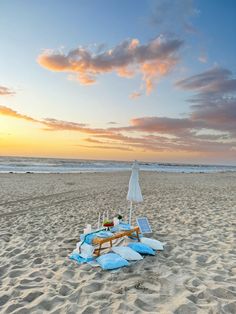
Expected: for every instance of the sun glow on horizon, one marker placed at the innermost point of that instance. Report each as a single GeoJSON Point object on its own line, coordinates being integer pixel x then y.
{"type": "Point", "coordinates": [23, 138]}
{"type": "Point", "coordinates": [101, 83]}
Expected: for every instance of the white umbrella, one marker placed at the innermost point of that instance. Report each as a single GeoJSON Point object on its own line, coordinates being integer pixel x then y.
{"type": "Point", "coordinates": [134, 192]}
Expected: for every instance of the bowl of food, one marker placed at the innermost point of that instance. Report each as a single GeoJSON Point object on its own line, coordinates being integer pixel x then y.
{"type": "Point", "coordinates": [108, 223]}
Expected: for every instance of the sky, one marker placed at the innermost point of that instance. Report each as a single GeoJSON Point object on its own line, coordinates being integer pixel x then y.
{"type": "Point", "coordinates": [152, 80]}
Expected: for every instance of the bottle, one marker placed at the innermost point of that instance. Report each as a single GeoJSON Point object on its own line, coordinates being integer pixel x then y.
{"type": "Point", "coordinates": [116, 221]}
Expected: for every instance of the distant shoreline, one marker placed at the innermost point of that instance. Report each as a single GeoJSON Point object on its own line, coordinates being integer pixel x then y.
{"type": "Point", "coordinates": [56, 165]}
{"type": "Point", "coordinates": [115, 171]}
{"type": "Point", "coordinates": [141, 162]}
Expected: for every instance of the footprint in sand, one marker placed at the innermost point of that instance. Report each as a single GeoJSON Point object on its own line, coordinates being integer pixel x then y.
{"type": "Point", "coordinates": [142, 305]}
{"type": "Point", "coordinates": [64, 290]}
{"type": "Point", "coordinates": [93, 287]}
{"type": "Point", "coordinates": [230, 308]}
{"type": "Point", "coordinates": [32, 296]}
{"type": "Point", "coordinates": [11, 308]}
{"type": "Point", "coordinates": [15, 273]}
{"type": "Point", "coordinates": [3, 299]}
{"type": "Point", "coordinates": [223, 293]}
{"type": "Point", "coordinates": [89, 310]}
{"type": "Point", "coordinates": [188, 308]}
{"type": "Point", "coordinates": [38, 260]}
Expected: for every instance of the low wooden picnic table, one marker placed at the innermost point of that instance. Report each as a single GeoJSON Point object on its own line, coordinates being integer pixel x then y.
{"type": "Point", "coordinates": [117, 235]}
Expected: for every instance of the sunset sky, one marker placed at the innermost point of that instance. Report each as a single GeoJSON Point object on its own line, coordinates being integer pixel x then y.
{"type": "Point", "coordinates": [119, 79]}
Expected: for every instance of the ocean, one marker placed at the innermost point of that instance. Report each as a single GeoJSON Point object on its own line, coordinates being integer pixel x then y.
{"type": "Point", "coordinates": [58, 165]}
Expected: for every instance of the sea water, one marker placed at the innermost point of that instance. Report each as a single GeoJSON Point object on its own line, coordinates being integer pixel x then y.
{"type": "Point", "coordinates": [58, 165]}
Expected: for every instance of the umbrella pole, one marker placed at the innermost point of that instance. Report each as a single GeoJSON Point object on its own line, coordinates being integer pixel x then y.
{"type": "Point", "coordinates": [130, 212]}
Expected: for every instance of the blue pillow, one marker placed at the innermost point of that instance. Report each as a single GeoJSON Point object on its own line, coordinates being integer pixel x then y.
{"type": "Point", "coordinates": [124, 226]}
{"type": "Point", "coordinates": [80, 260]}
{"type": "Point", "coordinates": [141, 248]}
{"type": "Point", "coordinates": [111, 261]}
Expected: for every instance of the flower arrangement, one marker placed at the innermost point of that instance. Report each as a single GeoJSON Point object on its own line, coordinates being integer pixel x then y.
{"type": "Point", "coordinates": [108, 223]}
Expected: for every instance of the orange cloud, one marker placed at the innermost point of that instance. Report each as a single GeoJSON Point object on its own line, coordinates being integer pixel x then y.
{"type": "Point", "coordinates": [154, 60]}
{"type": "Point", "coordinates": [152, 71]}
{"type": "Point", "coordinates": [112, 147]}
{"type": "Point", "coordinates": [209, 127]}
{"type": "Point", "coordinates": [12, 113]}
{"type": "Point", "coordinates": [91, 140]}
{"type": "Point", "coordinates": [54, 124]}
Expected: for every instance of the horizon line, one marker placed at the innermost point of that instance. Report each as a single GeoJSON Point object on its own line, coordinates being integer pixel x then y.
{"type": "Point", "coordinates": [113, 160]}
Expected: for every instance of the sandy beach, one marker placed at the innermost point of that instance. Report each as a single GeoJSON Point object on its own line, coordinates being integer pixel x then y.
{"type": "Point", "coordinates": [42, 215]}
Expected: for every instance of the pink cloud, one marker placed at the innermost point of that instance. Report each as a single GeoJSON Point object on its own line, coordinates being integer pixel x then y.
{"type": "Point", "coordinates": [5, 91]}
{"type": "Point", "coordinates": [163, 124]}
{"type": "Point", "coordinates": [214, 101]}
{"type": "Point", "coordinates": [135, 95]}
{"type": "Point", "coordinates": [216, 80]}
{"type": "Point", "coordinates": [152, 71]}
{"type": "Point", "coordinates": [54, 124]}
{"type": "Point", "coordinates": [153, 60]}
{"type": "Point", "coordinates": [158, 133]}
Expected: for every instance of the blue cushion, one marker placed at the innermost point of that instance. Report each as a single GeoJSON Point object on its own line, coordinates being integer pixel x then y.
{"type": "Point", "coordinates": [124, 226]}
{"type": "Point", "coordinates": [79, 259]}
{"type": "Point", "coordinates": [141, 248]}
{"type": "Point", "coordinates": [104, 234]}
{"type": "Point", "coordinates": [111, 261]}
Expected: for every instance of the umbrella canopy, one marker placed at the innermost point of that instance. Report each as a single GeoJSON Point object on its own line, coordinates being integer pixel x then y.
{"type": "Point", "coordinates": [134, 192]}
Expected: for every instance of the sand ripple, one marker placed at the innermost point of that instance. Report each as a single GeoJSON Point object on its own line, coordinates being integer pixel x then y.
{"type": "Point", "coordinates": [41, 217]}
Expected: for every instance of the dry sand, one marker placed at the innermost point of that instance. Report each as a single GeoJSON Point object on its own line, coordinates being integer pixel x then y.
{"type": "Point", "coordinates": [42, 215]}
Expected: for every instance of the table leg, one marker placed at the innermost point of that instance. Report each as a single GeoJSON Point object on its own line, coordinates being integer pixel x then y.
{"type": "Point", "coordinates": [138, 236]}
{"type": "Point", "coordinates": [99, 249]}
